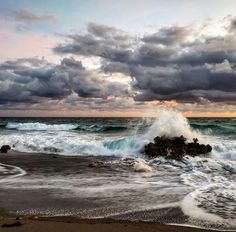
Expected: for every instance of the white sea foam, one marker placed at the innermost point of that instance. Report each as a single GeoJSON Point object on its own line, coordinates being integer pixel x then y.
{"type": "Point", "coordinates": [213, 180]}
{"type": "Point", "coordinates": [36, 126]}
{"type": "Point", "coordinates": [203, 204]}
{"type": "Point", "coordinates": [10, 172]}
{"type": "Point", "coordinates": [62, 139]}
{"type": "Point", "coordinates": [141, 166]}
{"type": "Point", "coordinates": [171, 123]}
{"type": "Point", "coordinates": [189, 207]}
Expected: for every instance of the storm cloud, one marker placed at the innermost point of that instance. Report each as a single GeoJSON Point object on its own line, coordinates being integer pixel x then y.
{"type": "Point", "coordinates": [36, 80]}
{"type": "Point", "coordinates": [168, 35]}
{"type": "Point", "coordinates": [173, 63]}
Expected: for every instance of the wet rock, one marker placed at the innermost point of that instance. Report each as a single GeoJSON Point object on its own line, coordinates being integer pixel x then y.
{"type": "Point", "coordinates": [52, 149]}
{"type": "Point", "coordinates": [175, 148]}
{"type": "Point", "coordinates": [97, 164]}
{"type": "Point", "coordinates": [194, 149]}
{"type": "Point", "coordinates": [15, 224]}
{"type": "Point", "coordinates": [5, 148]}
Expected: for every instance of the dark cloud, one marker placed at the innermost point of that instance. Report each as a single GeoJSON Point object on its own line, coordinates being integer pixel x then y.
{"type": "Point", "coordinates": [101, 30]}
{"type": "Point", "coordinates": [195, 58]}
{"type": "Point", "coordinates": [34, 80]}
{"type": "Point", "coordinates": [188, 84]}
{"type": "Point", "coordinates": [164, 65]}
{"type": "Point", "coordinates": [102, 41]}
{"type": "Point", "coordinates": [168, 36]}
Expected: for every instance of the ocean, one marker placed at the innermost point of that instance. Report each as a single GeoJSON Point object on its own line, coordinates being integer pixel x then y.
{"type": "Point", "coordinates": [202, 188]}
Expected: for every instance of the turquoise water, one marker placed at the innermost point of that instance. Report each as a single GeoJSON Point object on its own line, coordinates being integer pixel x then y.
{"type": "Point", "coordinates": [75, 136]}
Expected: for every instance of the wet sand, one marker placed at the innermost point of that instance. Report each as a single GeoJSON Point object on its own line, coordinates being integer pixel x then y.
{"type": "Point", "coordinates": [15, 202]}
{"type": "Point", "coordinates": [65, 224]}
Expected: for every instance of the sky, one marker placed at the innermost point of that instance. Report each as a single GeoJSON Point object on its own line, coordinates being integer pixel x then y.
{"type": "Point", "coordinates": [117, 58]}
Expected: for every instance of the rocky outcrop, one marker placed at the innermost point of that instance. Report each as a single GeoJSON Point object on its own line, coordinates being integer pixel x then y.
{"type": "Point", "coordinates": [175, 148]}
{"type": "Point", "coordinates": [5, 148]}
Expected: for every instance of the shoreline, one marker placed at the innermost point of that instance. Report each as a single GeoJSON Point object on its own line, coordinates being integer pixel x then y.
{"type": "Point", "coordinates": [18, 223]}
{"type": "Point", "coordinates": [37, 163]}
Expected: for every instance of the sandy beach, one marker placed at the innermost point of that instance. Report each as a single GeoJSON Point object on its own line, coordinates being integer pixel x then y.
{"type": "Point", "coordinates": [65, 224]}
{"type": "Point", "coordinates": [18, 206]}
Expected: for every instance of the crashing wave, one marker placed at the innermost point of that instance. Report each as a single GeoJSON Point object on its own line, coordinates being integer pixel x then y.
{"type": "Point", "coordinates": [36, 126]}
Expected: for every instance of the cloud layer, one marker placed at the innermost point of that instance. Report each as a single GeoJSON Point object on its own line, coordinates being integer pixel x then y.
{"type": "Point", "coordinates": [35, 80]}
{"type": "Point", "coordinates": [174, 63]}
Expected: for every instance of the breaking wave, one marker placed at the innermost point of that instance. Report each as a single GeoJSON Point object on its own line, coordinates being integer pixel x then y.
{"type": "Point", "coordinates": [215, 129]}
{"type": "Point", "coordinates": [66, 140]}
{"type": "Point", "coordinates": [36, 126]}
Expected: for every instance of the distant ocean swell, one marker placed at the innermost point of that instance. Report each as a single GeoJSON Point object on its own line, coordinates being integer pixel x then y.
{"type": "Point", "coordinates": [214, 128]}
{"type": "Point", "coordinates": [36, 126]}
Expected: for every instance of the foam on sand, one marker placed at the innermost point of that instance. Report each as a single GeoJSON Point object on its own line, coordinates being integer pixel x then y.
{"type": "Point", "coordinates": [140, 165]}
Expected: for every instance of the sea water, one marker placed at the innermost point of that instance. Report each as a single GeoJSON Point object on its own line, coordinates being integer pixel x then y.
{"type": "Point", "coordinates": [203, 187]}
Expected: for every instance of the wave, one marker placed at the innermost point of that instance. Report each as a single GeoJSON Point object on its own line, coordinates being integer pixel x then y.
{"type": "Point", "coordinates": [212, 184]}
{"type": "Point", "coordinates": [58, 138]}
{"type": "Point", "coordinates": [170, 123]}
{"type": "Point", "coordinates": [214, 129]}
{"type": "Point", "coordinates": [97, 128]}
{"type": "Point", "coordinates": [213, 181]}
{"type": "Point", "coordinates": [3, 125]}
{"type": "Point", "coordinates": [36, 126]}
{"type": "Point", "coordinates": [8, 172]}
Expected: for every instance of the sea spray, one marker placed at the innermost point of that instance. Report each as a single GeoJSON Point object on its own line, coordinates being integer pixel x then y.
{"type": "Point", "coordinates": [171, 123]}
{"type": "Point", "coordinates": [36, 126]}
{"type": "Point", "coordinates": [64, 138]}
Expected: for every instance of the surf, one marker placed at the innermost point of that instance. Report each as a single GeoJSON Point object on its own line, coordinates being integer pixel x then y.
{"type": "Point", "coordinates": [126, 140]}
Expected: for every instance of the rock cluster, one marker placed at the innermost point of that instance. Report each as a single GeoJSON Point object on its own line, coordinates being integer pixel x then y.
{"type": "Point", "coordinates": [175, 148]}
{"type": "Point", "coordinates": [5, 148]}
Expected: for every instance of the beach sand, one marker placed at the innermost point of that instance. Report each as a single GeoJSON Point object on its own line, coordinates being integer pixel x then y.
{"type": "Point", "coordinates": [15, 201]}
{"type": "Point", "coordinates": [69, 224]}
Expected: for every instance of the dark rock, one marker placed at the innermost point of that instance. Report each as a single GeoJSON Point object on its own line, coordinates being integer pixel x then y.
{"type": "Point", "coordinates": [52, 149]}
{"type": "Point", "coordinates": [17, 223]}
{"type": "Point", "coordinates": [194, 149]}
{"type": "Point", "coordinates": [5, 148]}
{"type": "Point", "coordinates": [175, 148]}
{"type": "Point", "coordinates": [97, 164]}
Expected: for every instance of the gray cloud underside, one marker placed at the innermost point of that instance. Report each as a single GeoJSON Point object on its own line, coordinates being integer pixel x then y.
{"type": "Point", "coordinates": [33, 80]}
{"type": "Point", "coordinates": [164, 65]}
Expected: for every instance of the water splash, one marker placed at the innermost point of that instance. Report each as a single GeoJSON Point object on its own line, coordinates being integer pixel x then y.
{"type": "Point", "coordinates": [171, 123]}
{"type": "Point", "coordinates": [63, 139]}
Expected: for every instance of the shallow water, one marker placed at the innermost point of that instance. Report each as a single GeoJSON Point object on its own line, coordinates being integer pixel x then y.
{"type": "Point", "coordinates": [204, 188]}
